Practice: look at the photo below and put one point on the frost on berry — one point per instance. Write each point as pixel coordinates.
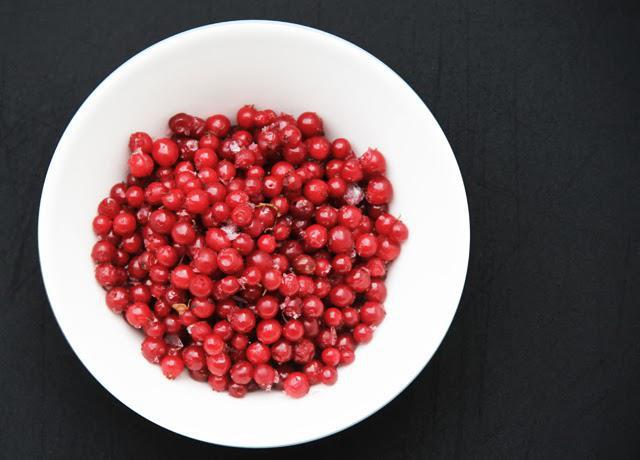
(354, 194)
(231, 230)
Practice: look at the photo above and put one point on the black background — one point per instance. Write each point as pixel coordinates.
(540, 102)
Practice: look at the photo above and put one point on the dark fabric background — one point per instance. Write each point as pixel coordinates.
(540, 102)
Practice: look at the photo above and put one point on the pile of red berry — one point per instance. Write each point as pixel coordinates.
(253, 255)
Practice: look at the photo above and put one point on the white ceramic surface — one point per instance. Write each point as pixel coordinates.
(290, 68)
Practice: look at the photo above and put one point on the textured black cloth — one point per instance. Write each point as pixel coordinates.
(540, 102)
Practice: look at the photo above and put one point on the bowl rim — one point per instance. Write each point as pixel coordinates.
(57, 158)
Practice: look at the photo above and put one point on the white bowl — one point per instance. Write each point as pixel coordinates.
(289, 68)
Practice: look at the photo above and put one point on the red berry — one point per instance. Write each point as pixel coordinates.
(140, 164)
(379, 190)
(296, 385)
(268, 331)
(140, 142)
(309, 124)
(165, 152)
(172, 366)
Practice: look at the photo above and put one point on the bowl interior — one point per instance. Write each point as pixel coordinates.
(216, 69)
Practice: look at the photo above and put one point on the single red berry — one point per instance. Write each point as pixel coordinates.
(258, 353)
(218, 364)
(281, 351)
(362, 333)
(377, 291)
(245, 116)
(379, 191)
(373, 162)
(165, 152)
(138, 314)
(172, 366)
(183, 233)
(340, 239)
(242, 320)
(218, 383)
(328, 375)
(342, 295)
(296, 385)
(268, 331)
(140, 142)
(293, 330)
(193, 357)
(218, 125)
(117, 299)
(331, 356)
(140, 164)
(267, 307)
(264, 375)
(241, 372)
(318, 147)
(372, 313)
(312, 370)
(309, 124)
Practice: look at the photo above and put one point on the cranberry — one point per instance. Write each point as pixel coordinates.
(140, 142)
(229, 260)
(193, 357)
(351, 171)
(373, 162)
(155, 329)
(372, 313)
(165, 152)
(399, 232)
(312, 370)
(309, 124)
(296, 385)
(218, 364)
(331, 356)
(103, 251)
(340, 239)
(377, 291)
(218, 383)
(102, 225)
(342, 295)
(328, 375)
(218, 125)
(337, 187)
(264, 375)
(349, 216)
(358, 279)
(172, 366)
(318, 147)
(293, 330)
(281, 351)
(117, 299)
(362, 333)
(241, 372)
(183, 233)
(379, 191)
(366, 245)
(237, 390)
(138, 315)
(268, 331)
(347, 356)
(242, 320)
(202, 308)
(140, 164)
(258, 353)
(387, 250)
(245, 117)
